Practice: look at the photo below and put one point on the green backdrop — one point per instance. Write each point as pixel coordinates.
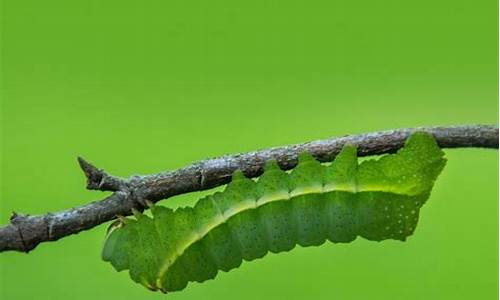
(145, 86)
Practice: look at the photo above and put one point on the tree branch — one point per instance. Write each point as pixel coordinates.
(25, 232)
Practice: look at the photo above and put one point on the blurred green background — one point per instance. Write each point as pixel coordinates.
(146, 86)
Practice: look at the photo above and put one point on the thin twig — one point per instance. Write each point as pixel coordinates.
(25, 232)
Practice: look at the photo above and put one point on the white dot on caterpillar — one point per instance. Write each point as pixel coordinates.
(399, 221)
(402, 206)
(413, 212)
(400, 215)
(401, 231)
(387, 228)
(406, 217)
(386, 208)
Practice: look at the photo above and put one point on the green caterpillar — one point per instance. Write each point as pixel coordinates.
(377, 200)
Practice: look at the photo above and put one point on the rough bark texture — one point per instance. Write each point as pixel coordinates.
(25, 232)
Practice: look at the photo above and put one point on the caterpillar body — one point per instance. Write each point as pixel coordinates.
(377, 200)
